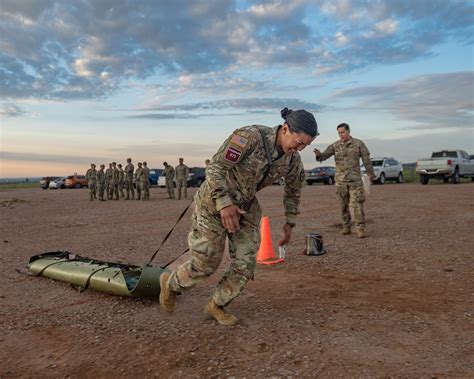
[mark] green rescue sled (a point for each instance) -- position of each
(113, 278)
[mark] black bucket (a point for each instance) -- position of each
(314, 244)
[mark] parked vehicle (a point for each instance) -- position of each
(196, 177)
(59, 183)
(446, 165)
(76, 181)
(323, 174)
(386, 168)
(44, 182)
(154, 176)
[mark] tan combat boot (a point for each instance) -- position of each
(360, 233)
(167, 295)
(346, 230)
(222, 316)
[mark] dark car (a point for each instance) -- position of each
(196, 176)
(321, 174)
(155, 173)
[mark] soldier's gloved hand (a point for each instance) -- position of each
(230, 217)
(317, 153)
(287, 229)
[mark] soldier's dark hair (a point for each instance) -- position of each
(165, 163)
(300, 121)
(345, 126)
(120, 165)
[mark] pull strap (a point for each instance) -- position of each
(269, 157)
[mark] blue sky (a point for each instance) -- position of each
(99, 81)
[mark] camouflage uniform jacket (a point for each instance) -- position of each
(347, 156)
(138, 173)
(181, 171)
(101, 178)
(144, 174)
(121, 176)
(169, 172)
(91, 175)
(240, 168)
(115, 175)
(109, 174)
(129, 169)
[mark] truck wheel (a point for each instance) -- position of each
(400, 178)
(78, 185)
(382, 178)
(445, 180)
(330, 181)
(424, 179)
(455, 177)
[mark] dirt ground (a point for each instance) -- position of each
(398, 303)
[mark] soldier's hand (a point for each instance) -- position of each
(371, 177)
(287, 229)
(317, 153)
(230, 217)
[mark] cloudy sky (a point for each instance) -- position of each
(101, 80)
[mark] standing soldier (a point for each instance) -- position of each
(349, 188)
(138, 174)
(182, 172)
(108, 180)
(121, 180)
(129, 169)
(101, 182)
(145, 182)
(227, 208)
(114, 183)
(169, 176)
(91, 176)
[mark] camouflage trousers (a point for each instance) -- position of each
(351, 193)
(145, 187)
(113, 191)
(207, 244)
(129, 188)
(170, 188)
(101, 190)
(121, 185)
(181, 183)
(92, 190)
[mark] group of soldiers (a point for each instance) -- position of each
(113, 181)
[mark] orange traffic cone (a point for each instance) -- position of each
(265, 254)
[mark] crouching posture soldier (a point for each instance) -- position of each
(252, 158)
(101, 182)
(129, 169)
(91, 176)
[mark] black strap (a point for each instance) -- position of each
(269, 157)
(169, 233)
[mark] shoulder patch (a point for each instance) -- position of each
(239, 141)
(232, 154)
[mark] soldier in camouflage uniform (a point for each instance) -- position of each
(169, 176)
(121, 180)
(113, 190)
(182, 172)
(138, 174)
(108, 180)
(252, 158)
(145, 182)
(129, 169)
(101, 182)
(91, 176)
(349, 188)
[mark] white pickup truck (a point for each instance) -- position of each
(446, 165)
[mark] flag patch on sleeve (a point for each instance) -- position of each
(239, 141)
(232, 154)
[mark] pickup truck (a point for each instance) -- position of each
(446, 165)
